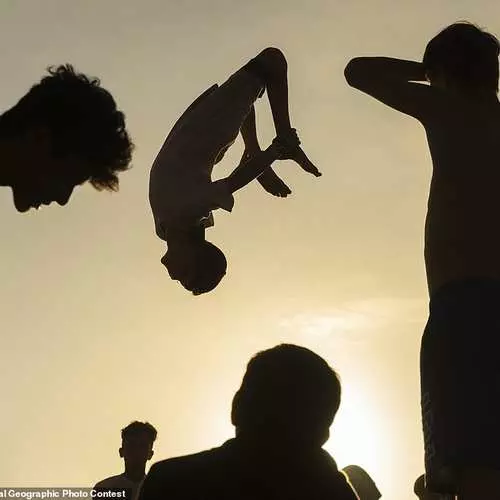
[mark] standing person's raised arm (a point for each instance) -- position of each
(366, 69)
(391, 81)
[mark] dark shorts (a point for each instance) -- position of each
(460, 381)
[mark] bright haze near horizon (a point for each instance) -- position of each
(96, 335)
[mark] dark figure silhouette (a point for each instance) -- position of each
(361, 481)
(182, 193)
(460, 373)
(136, 449)
(282, 414)
(65, 131)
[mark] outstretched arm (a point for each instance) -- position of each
(391, 82)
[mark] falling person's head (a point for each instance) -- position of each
(196, 263)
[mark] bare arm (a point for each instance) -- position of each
(249, 170)
(391, 82)
(384, 68)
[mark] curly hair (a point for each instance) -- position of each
(82, 119)
(467, 56)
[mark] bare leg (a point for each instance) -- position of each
(269, 180)
(249, 132)
(274, 66)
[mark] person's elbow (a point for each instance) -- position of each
(355, 72)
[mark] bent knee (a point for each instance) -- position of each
(273, 59)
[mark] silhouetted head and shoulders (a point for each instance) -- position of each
(460, 63)
(137, 440)
(463, 60)
(64, 132)
(282, 414)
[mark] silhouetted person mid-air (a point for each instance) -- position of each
(64, 132)
(361, 481)
(282, 414)
(460, 372)
(136, 449)
(182, 193)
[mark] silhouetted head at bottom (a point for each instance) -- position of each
(287, 400)
(463, 57)
(196, 263)
(363, 484)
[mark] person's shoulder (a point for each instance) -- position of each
(184, 466)
(187, 476)
(111, 482)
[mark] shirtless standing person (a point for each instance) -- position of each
(460, 371)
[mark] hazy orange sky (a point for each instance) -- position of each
(95, 334)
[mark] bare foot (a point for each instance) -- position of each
(299, 157)
(290, 150)
(273, 184)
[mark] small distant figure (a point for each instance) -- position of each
(64, 132)
(460, 372)
(181, 191)
(136, 449)
(363, 484)
(282, 413)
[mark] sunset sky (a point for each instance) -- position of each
(96, 335)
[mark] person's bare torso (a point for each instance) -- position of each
(462, 231)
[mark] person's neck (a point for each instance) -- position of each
(259, 443)
(135, 474)
(177, 236)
